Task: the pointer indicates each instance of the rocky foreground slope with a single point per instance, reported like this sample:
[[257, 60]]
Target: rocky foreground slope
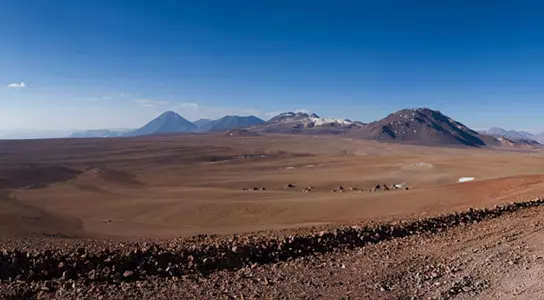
[[458, 255]]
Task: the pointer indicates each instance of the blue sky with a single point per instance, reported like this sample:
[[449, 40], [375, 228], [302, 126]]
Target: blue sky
[[118, 63]]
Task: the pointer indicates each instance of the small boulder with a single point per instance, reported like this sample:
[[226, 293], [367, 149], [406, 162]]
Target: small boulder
[[128, 274], [173, 271]]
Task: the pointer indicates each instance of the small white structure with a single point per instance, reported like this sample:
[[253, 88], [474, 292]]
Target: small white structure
[[465, 179]]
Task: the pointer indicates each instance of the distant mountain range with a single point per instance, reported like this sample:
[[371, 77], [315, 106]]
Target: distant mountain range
[[422, 126], [523, 136], [170, 122]]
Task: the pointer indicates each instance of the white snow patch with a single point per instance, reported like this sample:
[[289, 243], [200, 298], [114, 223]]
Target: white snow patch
[[325, 121], [465, 179], [289, 168]]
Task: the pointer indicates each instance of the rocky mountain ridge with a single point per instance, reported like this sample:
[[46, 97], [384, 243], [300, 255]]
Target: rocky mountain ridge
[[422, 126]]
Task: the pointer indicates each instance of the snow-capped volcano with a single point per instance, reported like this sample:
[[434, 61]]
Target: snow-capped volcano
[[310, 120]]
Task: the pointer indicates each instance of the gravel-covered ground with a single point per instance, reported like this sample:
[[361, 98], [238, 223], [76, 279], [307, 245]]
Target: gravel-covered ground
[[486, 254]]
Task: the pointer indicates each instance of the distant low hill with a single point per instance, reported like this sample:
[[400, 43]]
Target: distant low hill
[[522, 137], [423, 126], [234, 122], [203, 124], [99, 133], [512, 141], [168, 122], [227, 123]]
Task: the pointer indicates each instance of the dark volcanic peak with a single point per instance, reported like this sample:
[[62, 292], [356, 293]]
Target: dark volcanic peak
[[233, 122], [422, 126], [168, 122]]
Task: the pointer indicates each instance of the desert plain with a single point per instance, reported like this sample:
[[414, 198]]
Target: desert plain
[[98, 194]]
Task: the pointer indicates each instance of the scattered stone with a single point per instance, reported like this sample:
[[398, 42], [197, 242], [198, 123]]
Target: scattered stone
[[128, 274], [339, 189], [205, 254]]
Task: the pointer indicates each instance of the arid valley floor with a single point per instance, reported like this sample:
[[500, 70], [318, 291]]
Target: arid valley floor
[[126, 199]]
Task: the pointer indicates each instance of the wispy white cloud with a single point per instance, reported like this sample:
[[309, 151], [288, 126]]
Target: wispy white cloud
[[17, 85], [142, 101], [302, 110], [269, 114], [151, 102], [102, 98], [190, 105]]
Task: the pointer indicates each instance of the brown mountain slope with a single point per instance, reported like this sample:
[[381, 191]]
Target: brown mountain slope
[[422, 126]]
